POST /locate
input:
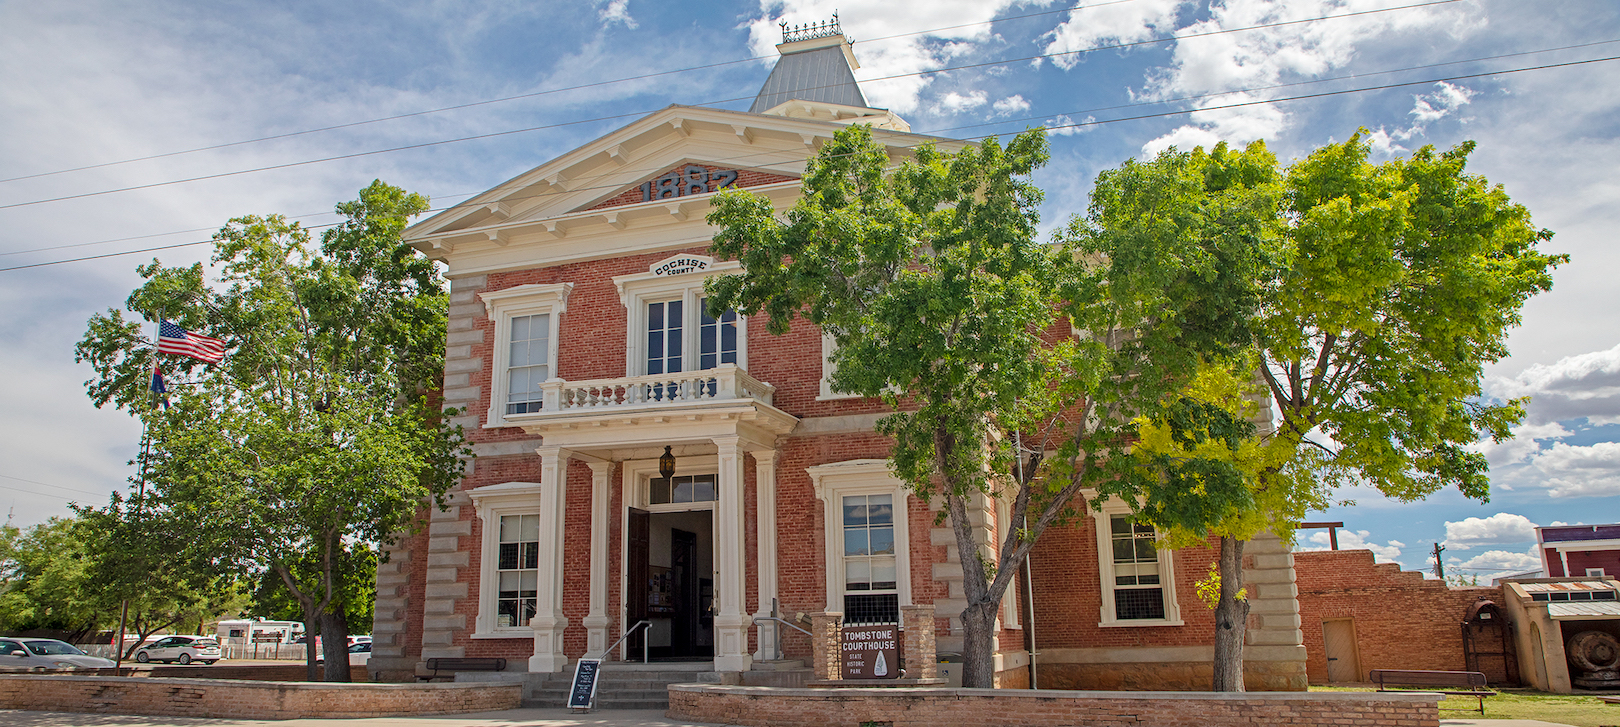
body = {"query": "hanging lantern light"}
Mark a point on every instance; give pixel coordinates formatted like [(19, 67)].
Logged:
[(666, 464)]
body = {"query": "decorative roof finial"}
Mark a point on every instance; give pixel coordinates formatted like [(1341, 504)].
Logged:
[(811, 31)]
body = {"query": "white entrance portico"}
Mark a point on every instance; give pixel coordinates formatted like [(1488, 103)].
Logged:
[(717, 415)]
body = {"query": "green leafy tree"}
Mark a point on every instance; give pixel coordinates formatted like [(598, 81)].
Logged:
[(942, 302), (1384, 291), (43, 580), (143, 574), (320, 429)]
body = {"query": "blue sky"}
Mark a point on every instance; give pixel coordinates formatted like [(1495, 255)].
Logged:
[(86, 83)]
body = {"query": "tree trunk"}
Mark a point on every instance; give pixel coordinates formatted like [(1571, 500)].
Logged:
[(335, 644), (978, 645), (1231, 619), (312, 670)]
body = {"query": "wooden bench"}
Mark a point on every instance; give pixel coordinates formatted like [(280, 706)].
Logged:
[(1473, 680), (453, 665)]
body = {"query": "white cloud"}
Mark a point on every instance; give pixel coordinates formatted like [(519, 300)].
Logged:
[(1522, 446), (1572, 471), (879, 59), (955, 103), (1389, 552), (1437, 105), (1501, 528), (1089, 27), (1586, 385), (1499, 560), (1065, 126), (1220, 64), (617, 11), (1184, 138), (1010, 105)]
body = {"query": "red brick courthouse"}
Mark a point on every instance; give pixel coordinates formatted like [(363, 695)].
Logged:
[(580, 352)]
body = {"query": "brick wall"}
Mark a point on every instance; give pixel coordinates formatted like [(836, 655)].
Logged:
[(992, 708), (1401, 620), (208, 698)]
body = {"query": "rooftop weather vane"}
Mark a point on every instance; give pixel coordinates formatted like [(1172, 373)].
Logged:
[(810, 31)]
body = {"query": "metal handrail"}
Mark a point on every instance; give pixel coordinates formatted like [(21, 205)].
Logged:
[(758, 619), (626, 635)]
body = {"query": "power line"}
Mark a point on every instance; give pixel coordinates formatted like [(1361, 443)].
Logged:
[(1079, 124), (47, 484), (998, 122), (533, 94), (1254, 89), (476, 137)]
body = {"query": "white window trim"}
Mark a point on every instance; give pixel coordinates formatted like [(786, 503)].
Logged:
[(1009, 599), (860, 477), (1105, 572), (828, 346), (639, 289), (504, 305), (492, 502)]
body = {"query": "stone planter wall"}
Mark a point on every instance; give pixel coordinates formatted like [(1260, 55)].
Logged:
[(929, 707), (248, 700)]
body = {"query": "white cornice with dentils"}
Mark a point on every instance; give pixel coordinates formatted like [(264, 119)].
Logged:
[(539, 200)]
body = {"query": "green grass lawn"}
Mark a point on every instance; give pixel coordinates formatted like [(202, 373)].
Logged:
[(1581, 711)]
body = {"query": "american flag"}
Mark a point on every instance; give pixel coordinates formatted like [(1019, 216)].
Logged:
[(174, 339)]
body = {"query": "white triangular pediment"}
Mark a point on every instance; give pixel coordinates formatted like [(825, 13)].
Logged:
[(643, 187)]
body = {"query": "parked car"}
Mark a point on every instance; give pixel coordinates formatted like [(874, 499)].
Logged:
[(360, 653), (184, 649), (45, 655)]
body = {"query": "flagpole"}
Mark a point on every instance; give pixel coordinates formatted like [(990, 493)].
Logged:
[(146, 444)]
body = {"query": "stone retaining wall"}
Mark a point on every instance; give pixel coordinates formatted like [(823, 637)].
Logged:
[(249, 672), (248, 700), (924, 707)]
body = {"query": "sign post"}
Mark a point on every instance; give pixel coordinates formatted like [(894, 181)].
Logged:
[(871, 651), (582, 695)]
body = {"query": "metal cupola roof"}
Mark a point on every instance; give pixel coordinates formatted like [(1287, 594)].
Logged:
[(817, 64)]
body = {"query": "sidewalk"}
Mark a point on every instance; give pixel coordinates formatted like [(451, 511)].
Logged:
[(511, 718), (554, 717)]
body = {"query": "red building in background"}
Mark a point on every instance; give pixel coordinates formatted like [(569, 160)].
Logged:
[(1579, 550)]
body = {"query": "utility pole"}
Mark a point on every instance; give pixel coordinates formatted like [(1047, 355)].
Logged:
[(1439, 567)]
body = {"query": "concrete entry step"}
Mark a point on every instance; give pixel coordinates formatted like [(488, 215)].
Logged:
[(620, 685)]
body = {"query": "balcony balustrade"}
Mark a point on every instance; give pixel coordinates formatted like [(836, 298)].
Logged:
[(652, 391)]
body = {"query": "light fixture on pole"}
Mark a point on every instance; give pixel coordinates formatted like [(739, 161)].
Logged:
[(666, 464)]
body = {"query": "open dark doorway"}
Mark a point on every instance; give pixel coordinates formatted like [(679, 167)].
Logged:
[(672, 553)]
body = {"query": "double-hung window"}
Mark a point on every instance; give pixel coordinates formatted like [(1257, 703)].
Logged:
[(518, 569), (870, 580), (1136, 573), (529, 363), (1137, 590), (508, 558), (527, 319), (867, 556)]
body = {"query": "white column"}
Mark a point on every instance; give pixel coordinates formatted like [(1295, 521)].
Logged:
[(731, 624), (548, 621), (765, 520), (596, 622)]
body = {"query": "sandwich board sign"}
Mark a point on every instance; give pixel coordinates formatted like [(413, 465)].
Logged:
[(582, 695)]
